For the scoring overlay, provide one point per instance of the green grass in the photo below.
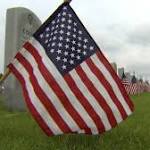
(18, 131)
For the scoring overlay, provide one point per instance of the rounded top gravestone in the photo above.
(21, 23)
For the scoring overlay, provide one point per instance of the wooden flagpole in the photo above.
(7, 72)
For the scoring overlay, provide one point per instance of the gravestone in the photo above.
(114, 65)
(21, 23)
(120, 72)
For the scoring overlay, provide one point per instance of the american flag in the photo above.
(133, 86)
(133, 89)
(126, 83)
(68, 84)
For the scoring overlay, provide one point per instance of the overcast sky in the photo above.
(121, 28)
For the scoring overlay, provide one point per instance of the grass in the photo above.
(18, 131)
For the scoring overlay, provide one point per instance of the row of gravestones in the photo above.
(21, 23)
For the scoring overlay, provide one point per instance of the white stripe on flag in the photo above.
(50, 93)
(110, 79)
(91, 99)
(102, 91)
(35, 100)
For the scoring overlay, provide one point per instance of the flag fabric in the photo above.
(126, 83)
(133, 86)
(68, 84)
(133, 89)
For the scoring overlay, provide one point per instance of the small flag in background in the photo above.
(133, 86)
(126, 83)
(68, 84)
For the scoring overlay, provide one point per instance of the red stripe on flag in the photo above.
(90, 110)
(107, 86)
(57, 89)
(101, 101)
(42, 96)
(32, 109)
(116, 78)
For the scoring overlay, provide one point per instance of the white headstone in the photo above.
(21, 23)
(114, 65)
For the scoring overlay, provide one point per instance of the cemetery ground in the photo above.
(18, 131)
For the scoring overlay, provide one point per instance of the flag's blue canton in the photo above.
(66, 41)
